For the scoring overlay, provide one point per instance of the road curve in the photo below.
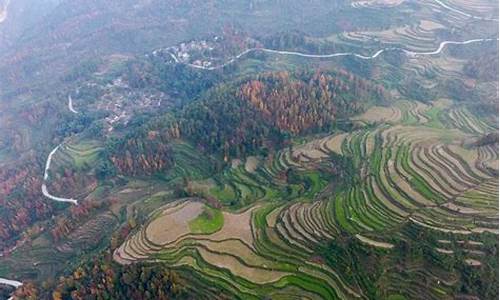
(3, 13)
(375, 55)
(70, 105)
(45, 192)
(443, 44)
(10, 282)
(13, 283)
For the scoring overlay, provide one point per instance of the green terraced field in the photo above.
(411, 177)
(209, 221)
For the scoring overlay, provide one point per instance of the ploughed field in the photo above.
(414, 168)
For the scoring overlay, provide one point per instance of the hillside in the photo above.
(239, 119)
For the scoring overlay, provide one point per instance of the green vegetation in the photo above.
(209, 221)
(225, 194)
(350, 238)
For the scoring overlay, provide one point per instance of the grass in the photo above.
(85, 153)
(209, 221)
(189, 163)
(225, 194)
(434, 114)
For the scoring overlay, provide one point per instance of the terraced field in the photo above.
(414, 171)
(380, 114)
(295, 226)
(80, 155)
(434, 16)
(397, 202)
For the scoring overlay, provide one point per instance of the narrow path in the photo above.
(45, 191)
(49, 160)
(70, 105)
(46, 177)
(13, 283)
(443, 44)
(375, 55)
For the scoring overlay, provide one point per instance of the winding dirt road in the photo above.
(46, 177)
(13, 283)
(338, 54)
(70, 105)
(45, 191)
